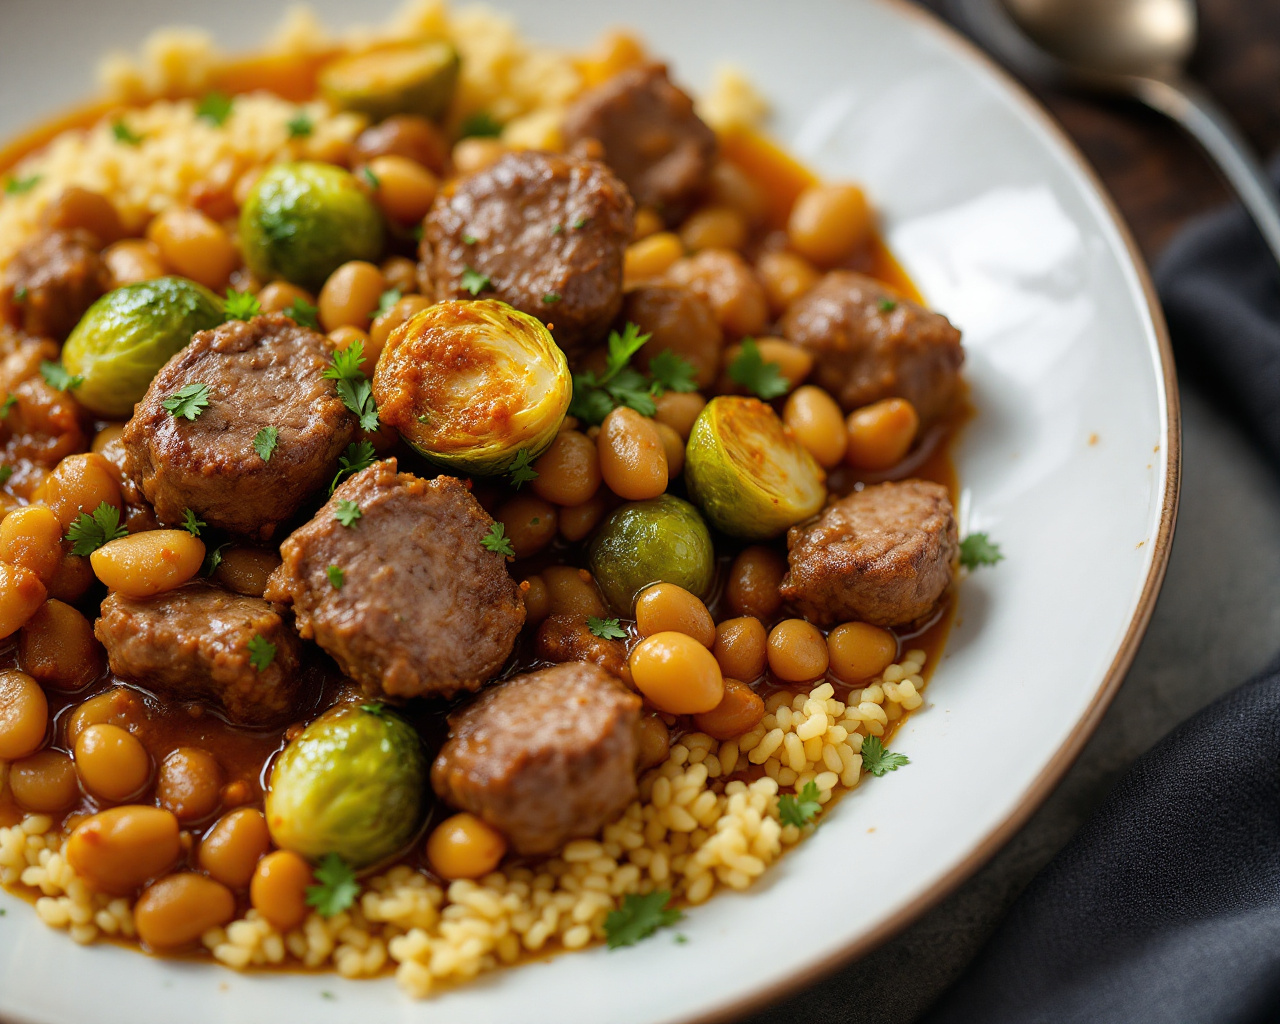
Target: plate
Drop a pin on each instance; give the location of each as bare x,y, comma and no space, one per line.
1071,464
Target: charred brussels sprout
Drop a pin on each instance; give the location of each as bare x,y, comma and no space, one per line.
746,472
662,540
125,337
417,78
354,783
302,221
471,385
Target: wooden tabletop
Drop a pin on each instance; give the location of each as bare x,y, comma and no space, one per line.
1158,176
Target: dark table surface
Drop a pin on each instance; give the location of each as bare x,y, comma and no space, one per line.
1218,617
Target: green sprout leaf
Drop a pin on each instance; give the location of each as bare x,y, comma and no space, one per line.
978,549
188,401
474,281
522,470
639,917
302,313
347,513
90,531
336,577
497,541
261,653
191,524
877,760
358,456
213,559
240,306
336,887
799,811
606,629
265,441
215,108
56,376
122,133
671,372
762,379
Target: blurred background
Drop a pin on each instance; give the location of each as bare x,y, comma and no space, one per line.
1218,617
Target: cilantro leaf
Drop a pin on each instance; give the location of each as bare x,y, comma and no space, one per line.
799,811
190,401
300,125
671,372
359,455
5,473
580,223
56,376
386,300
345,363
621,348
240,306
481,124
639,917
213,559
90,532
522,471
765,380
16,186
606,629
264,442
595,396
214,108
886,305
191,524
261,653
353,386
469,239
302,313
877,760
9,402
497,541
336,577
347,513
474,281
550,299
979,549
336,887
122,133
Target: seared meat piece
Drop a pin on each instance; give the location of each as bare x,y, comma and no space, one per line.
869,344
262,373
543,757
193,644
680,322
883,555
51,281
568,638
547,231
424,608
651,138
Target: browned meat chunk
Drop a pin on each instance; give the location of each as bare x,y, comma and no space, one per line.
544,757
193,644
679,322
51,281
651,138
568,638
262,373
547,235
423,608
870,344
883,555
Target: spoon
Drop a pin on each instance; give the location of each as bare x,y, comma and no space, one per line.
1135,48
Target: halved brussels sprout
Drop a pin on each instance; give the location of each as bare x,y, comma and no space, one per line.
304,220
473,384
662,540
125,337
413,78
354,783
747,473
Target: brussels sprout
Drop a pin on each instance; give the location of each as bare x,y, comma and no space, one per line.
127,335
473,385
354,783
302,221
662,540
417,78
746,472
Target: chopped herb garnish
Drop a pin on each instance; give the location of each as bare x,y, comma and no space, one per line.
359,455
191,524
20,293
595,396
302,313
376,708
56,376
764,380
366,172
799,811
190,401
639,917
300,125
9,402
474,281
877,760
550,299
326,994
261,653
386,300
345,363
681,938
347,513
90,532
240,306
5,473
336,887
16,186
886,305
580,223
522,471
353,386
214,108
978,549
213,559
481,124
497,541
336,577
423,418
671,372
469,239
417,232
122,133
557,229
265,441
606,629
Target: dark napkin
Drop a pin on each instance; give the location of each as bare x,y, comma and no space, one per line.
1166,905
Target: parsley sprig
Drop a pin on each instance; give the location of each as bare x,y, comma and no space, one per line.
347,513
336,887
215,108
359,455
336,577
302,313
386,300
353,386
16,186
188,401
213,559
265,441
597,395
877,760
979,549
57,377
799,810
261,652
639,917
300,125
497,541
763,379
240,306
474,281
121,132
522,471
191,524
481,124
606,629
90,531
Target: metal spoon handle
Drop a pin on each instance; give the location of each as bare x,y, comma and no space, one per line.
1196,111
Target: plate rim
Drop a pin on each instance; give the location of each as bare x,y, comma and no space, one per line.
1048,778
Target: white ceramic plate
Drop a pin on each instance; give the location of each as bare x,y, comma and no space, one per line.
1071,464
